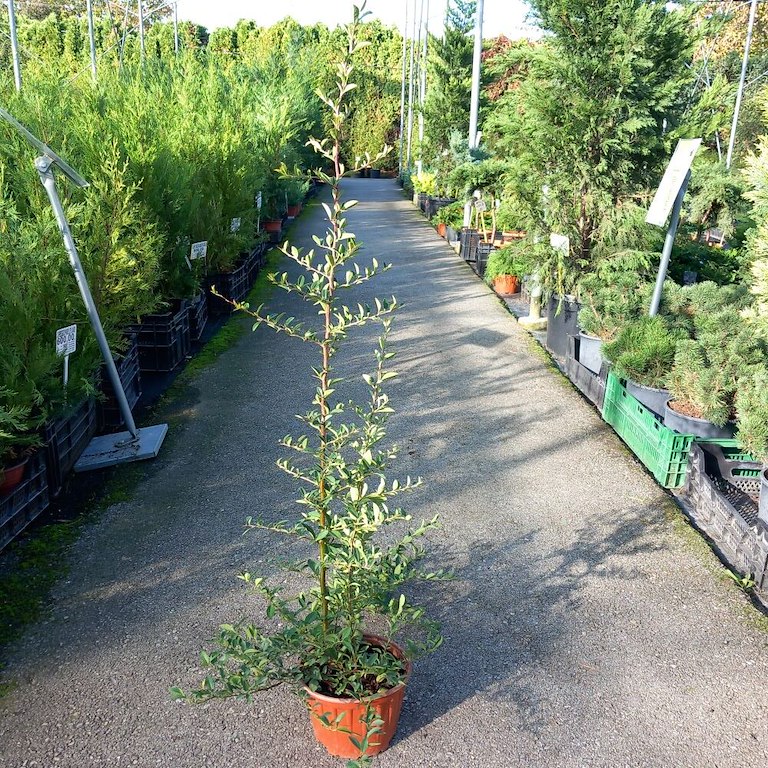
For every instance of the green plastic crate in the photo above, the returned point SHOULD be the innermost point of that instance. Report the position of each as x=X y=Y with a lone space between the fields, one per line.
x=663 y=451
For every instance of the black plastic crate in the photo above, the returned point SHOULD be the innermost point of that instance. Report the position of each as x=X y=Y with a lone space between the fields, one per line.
x=198 y=315
x=484 y=250
x=591 y=385
x=109 y=416
x=164 y=339
x=232 y=285
x=725 y=513
x=65 y=439
x=469 y=239
x=31 y=497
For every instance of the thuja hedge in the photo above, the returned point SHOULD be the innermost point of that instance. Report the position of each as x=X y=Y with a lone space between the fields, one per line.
x=174 y=151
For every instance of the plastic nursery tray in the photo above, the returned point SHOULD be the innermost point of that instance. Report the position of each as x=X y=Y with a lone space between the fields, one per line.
x=130 y=377
x=65 y=439
x=662 y=450
x=163 y=339
x=19 y=508
x=724 y=512
x=198 y=315
x=591 y=385
x=232 y=285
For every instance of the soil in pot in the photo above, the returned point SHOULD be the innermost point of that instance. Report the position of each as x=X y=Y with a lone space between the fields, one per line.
x=506 y=285
x=387 y=706
x=676 y=418
x=12 y=476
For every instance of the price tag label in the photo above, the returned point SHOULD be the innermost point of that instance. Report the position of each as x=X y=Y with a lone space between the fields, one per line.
x=258 y=200
x=234 y=225
x=199 y=250
x=66 y=340
x=480 y=205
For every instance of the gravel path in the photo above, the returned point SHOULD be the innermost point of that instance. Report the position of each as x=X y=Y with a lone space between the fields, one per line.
x=582 y=628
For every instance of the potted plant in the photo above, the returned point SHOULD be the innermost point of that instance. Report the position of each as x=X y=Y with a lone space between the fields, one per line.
x=615 y=292
x=17 y=442
x=752 y=427
x=449 y=217
x=505 y=267
x=706 y=371
x=334 y=640
x=296 y=189
x=642 y=353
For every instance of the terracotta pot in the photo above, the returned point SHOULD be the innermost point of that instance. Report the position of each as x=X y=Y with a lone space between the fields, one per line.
x=387 y=706
x=441 y=229
x=506 y=285
x=294 y=210
x=12 y=476
x=272 y=225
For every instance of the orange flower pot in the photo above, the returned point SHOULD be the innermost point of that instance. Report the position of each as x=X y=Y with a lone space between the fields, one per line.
x=441 y=229
x=272 y=225
x=12 y=476
x=294 y=210
x=386 y=705
x=506 y=285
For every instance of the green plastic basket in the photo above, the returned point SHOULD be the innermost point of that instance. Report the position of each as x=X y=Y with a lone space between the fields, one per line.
x=663 y=451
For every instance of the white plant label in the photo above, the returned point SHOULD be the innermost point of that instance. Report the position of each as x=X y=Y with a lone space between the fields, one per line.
x=66 y=340
x=560 y=243
x=199 y=250
x=234 y=225
x=480 y=205
x=672 y=181
x=258 y=200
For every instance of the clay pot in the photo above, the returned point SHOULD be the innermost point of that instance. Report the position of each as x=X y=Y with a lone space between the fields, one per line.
x=272 y=225
x=505 y=285
x=441 y=229
x=12 y=476
x=294 y=210
x=387 y=706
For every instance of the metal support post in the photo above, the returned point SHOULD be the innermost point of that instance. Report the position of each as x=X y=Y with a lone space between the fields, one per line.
x=14 y=44
x=43 y=165
x=92 y=39
x=475 y=95
x=410 y=90
x=742 y=80
x=667 y=251
x=141 y=30
x=402 y=88
x=176 y=27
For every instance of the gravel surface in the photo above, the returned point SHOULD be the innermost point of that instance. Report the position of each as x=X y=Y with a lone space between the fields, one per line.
x=581 y=629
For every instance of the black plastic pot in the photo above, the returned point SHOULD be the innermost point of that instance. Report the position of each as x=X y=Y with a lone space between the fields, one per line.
x=562 y=322
x=688 y=425
x=375 y=173
x=653 y=399
x=108 y=411
x=163 y=339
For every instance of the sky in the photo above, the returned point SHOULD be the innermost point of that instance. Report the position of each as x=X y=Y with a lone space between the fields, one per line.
x=500 y=17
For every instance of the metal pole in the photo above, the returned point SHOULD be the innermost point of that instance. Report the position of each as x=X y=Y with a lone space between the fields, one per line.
x=92 y=39
x=43 y=165
x=668 y=243
x=410 y=89
x=475 y=96
x=176 y=27
x=14 y=44
x=402 y=87
x=423 y=87
x=740 y=92
x=141 y=30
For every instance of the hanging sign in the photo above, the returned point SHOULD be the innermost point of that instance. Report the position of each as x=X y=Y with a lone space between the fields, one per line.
x=66 y=340
x=234 y=225
x=199 y=250
x=672 y=181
